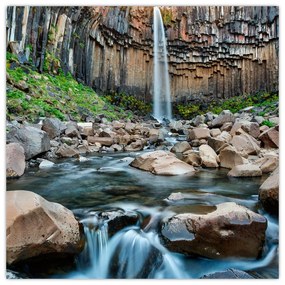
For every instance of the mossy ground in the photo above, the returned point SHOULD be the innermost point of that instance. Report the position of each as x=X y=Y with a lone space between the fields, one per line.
x=32 y=95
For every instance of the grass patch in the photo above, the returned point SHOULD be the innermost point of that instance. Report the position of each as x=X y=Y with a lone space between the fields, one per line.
x=54 y=94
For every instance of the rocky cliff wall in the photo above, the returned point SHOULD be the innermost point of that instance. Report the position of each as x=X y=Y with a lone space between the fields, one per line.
x=214 y=51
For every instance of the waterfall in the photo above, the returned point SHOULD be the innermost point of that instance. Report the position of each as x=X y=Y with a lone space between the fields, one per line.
x=161 y=85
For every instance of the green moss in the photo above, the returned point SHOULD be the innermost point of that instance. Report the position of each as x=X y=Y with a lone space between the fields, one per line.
x=268 y=124
x=166 y=16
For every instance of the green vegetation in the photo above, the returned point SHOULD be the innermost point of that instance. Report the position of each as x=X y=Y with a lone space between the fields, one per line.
x=129 y=102
x=166 y=16
x=234 y=104
x=52 y=94
x=268 y=124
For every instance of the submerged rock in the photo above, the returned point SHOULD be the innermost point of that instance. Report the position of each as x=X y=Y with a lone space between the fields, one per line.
x=162 y=163
x=269 y=193
x=36 y=227
x=229 y=231
x=15 y=160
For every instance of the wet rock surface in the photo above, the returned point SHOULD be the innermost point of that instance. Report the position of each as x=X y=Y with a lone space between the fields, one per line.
x=212 y=235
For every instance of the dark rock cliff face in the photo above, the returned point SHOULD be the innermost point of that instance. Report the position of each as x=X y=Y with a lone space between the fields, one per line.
x=214 y=52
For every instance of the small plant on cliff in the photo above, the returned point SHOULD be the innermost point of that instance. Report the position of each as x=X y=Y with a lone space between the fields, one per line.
x=166 y=16
x=268 y=124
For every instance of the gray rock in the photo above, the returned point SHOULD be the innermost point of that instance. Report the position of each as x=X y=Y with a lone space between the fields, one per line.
x=46 y=164
x=228 y=274
x=33 y=140
x=54 y=127
x=224 y=117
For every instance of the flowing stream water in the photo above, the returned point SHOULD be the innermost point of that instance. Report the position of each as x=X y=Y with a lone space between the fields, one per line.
x=161 y=85
x=107 y=182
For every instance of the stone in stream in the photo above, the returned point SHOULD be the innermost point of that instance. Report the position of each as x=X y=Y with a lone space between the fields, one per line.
x=15 y=160
x=36 y=227
x=245 y=170
x=46 y=164
x=269 y=193
x=192 y=158
x=33 y=140
x=229 y=231
x=162 y=163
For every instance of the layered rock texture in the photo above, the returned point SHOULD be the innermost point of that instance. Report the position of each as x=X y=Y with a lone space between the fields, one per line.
x=213 y=52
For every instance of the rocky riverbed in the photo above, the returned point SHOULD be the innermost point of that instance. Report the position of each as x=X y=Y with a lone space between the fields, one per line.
x=177 y=153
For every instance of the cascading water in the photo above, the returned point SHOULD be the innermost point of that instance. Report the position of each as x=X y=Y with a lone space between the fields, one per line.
x=161 y=85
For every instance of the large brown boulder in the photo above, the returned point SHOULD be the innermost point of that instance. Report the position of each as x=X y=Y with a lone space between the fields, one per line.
x=208 y=156
x=229 y=231
x=245 y=170
x=67 y=151
x=269 y=193
x=246 y=144
x=162 y=163
x=192 y=158
x=106 y=141
x=15 y=160
x=230 y=157
x=252 y=128
x=36 y=227
x=181 y=147
x=199 y=133
x=270 y=138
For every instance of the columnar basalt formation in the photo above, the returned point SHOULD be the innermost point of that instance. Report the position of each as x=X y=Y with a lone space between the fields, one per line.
x=214 y=51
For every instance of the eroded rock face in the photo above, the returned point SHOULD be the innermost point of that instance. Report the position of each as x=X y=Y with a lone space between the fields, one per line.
x=214 y=234
x=214 y=69
x=15 y=160
x=36 y=227
x=33 y=140
x=162 y=163
x=269 y=193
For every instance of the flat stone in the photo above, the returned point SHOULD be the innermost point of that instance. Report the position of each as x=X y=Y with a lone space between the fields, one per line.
x=245 y=170
x=162 y=163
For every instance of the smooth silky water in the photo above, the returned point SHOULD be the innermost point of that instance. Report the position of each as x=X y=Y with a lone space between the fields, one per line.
x=107 y=182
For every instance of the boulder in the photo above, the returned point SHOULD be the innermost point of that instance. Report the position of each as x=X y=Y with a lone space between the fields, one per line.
x=245 y=144
x=229 y=231
x=192 y=158
x=106 y=141
x=162 y=163
x=215 y=132
x=200 y=119
x=227 y=126
x=130 y=128
x=208 y=156
x=269 y=193
x=118 y=125
x=53 y=127
x=252 y=128
x=15 y=160
x=180 y=147
x=230 y=157
x=36 y=227
x=46 y=164
x=263 y=129
x=267 y=164
x=245 y=170
x=224 y=117
x=66 y=151
x=176 y=126
x=135 y=146
x=216 y=144
x=225 y=136
x=199 y=133
x=72 y=130
x=33 y=140
x=117 y=147
x=270 y=138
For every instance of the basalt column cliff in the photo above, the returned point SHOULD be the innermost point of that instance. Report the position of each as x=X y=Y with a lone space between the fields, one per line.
x=214 y=52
